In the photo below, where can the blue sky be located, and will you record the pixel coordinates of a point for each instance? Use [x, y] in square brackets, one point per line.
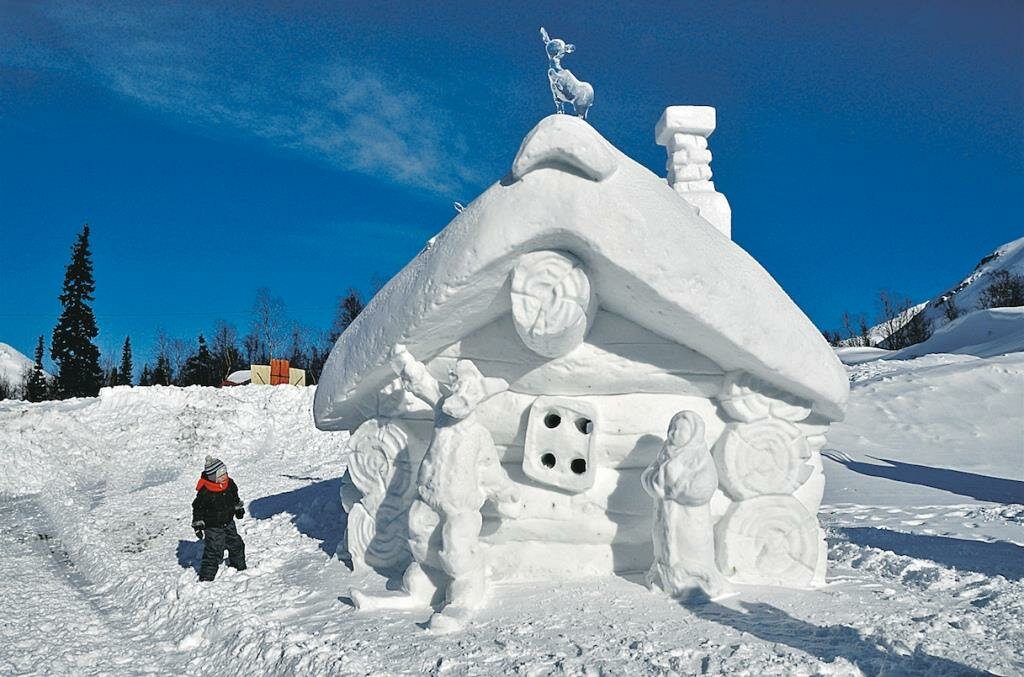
[216, 148]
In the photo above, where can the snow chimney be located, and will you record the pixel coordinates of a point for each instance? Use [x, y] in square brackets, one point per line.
[684, 131]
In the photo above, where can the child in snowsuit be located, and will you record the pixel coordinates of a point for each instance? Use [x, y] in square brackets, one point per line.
[213, 513]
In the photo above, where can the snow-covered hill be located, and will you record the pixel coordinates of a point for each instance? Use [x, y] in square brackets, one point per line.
[13, 365]
[982, 333]
[97, 562]
[967, 293]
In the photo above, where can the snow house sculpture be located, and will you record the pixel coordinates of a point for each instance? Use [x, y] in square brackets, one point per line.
[600, 381]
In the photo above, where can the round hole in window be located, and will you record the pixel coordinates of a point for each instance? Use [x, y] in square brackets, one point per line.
[578, 466]
[552, 420]
[548, 460]
[584, 425]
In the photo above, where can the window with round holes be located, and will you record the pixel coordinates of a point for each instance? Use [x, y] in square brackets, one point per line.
[552, 420]
[584, 425]
[578, 466]
[548, 460]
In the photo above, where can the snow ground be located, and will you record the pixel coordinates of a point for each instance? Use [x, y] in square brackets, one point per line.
[97, 562]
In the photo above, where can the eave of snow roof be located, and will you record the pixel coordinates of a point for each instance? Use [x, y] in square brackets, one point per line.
[649, 256]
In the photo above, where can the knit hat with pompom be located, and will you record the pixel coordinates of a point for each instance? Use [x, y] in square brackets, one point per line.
[215, 470]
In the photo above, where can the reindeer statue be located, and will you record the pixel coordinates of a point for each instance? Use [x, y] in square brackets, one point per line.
[565, 88]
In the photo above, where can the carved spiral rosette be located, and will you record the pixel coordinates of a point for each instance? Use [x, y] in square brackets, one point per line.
[552, 302]
[378, 462]
[375, 494]
[771, 540]
[761, 458]
[359, 532]
[747, 398]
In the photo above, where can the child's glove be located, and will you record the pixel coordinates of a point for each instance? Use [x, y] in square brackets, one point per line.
[240, 510]
[199, 525]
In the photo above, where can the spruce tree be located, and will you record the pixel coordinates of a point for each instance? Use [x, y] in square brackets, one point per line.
[200, 369]
[161, 374]
[297, 356]
[72, 349]
[349, 308]
[146, 377]
[37, 388]
[124, 373]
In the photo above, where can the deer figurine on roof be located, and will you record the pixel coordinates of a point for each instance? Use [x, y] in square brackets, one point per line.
[565, 88]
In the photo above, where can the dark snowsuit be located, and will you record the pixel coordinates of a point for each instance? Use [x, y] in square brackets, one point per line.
[217, 511]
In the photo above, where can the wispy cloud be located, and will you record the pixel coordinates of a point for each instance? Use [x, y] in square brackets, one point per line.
[213, 71]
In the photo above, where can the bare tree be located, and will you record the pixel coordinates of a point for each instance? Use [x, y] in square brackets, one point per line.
[298, 356]
[1005, 291]
[855, 335]
[950, 309]
[224, 347]
[833, 337]
[8, 390]
[254, 350]
[901, 324]
[178, 352]
[269, 324]
[108, 366]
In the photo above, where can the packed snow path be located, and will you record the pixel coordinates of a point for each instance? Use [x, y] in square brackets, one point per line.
[98, 564]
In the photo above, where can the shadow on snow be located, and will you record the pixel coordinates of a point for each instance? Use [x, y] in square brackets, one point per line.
[997, 558]
[315, 511]
[190, 554]
[978, 487]
[827, 643]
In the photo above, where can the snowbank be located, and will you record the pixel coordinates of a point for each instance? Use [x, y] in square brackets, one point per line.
[71, 443]
[927, 574]
[982, 333]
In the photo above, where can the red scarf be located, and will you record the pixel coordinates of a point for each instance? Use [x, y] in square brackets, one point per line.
[215, 487]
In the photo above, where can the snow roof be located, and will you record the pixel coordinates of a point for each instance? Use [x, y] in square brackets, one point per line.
[648, 255]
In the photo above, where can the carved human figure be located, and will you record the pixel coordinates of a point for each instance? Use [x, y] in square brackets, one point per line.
[682, 480]
[459, 472]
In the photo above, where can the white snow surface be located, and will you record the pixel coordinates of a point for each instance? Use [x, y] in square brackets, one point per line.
[97, 562]
[13, 365]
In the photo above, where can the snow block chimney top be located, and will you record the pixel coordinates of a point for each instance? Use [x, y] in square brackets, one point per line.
[696, 120]
[684, 131]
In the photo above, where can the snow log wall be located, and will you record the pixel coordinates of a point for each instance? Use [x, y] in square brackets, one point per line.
[634, 380]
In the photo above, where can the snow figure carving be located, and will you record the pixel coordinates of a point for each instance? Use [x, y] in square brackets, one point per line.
[770, 540]
[682, 481]
[768, 456]
[552, 303]
[458, 474]
[379, 472]
[565, 88]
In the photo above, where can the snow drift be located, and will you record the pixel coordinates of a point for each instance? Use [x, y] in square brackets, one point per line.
[926, 574]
